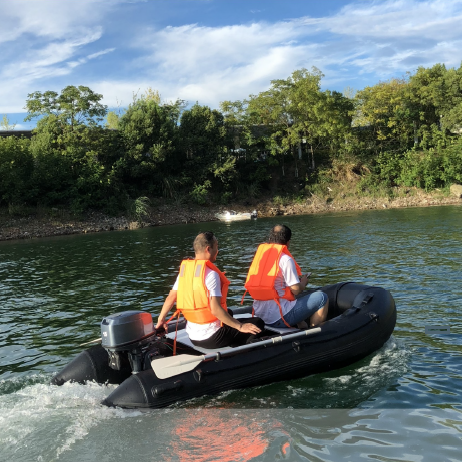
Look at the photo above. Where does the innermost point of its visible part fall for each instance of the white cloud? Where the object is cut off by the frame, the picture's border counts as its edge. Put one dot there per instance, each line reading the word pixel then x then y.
pixel 377 39
pixel 39 40
pixel 50 19
pixel 396 19
pixel 387 39
pixel 100 53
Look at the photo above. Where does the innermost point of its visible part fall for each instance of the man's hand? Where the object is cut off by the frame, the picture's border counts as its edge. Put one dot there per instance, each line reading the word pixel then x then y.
pixel 168 305
pixel 249 328
pixel 225 318
pixel 162 324
pixel 304 281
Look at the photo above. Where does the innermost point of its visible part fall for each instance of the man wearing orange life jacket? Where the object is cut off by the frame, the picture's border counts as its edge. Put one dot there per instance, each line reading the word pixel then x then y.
pixel 200 294
pixel 285 310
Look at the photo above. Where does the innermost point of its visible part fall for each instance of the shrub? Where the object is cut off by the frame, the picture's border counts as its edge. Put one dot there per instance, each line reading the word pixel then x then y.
pixel 199 194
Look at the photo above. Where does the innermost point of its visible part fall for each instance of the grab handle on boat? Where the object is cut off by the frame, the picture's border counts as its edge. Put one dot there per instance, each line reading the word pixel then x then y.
pixel 364 302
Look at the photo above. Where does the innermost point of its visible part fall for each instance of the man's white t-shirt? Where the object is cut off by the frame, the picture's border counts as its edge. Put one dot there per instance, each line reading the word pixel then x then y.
pixel 268 310
pixel 204 331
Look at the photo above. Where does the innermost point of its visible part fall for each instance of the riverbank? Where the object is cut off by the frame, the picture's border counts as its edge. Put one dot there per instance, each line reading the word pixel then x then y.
pixel 57 222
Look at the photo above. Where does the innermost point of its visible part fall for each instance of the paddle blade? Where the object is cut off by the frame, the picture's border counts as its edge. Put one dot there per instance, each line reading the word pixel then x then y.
pixel 175 365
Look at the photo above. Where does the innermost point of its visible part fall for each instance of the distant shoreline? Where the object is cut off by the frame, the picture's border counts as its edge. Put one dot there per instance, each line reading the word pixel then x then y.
pixel 33 227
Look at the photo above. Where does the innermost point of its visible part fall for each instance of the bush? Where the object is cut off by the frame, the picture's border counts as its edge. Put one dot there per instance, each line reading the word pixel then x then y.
pixel 139 208
pixel 199 193
pixel 432 169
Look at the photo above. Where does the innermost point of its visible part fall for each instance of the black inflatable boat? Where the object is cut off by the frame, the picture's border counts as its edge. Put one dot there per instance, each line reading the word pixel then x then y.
pixel 132 354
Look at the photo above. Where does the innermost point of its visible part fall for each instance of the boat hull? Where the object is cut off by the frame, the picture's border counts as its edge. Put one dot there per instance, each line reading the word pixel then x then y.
pixel 361 320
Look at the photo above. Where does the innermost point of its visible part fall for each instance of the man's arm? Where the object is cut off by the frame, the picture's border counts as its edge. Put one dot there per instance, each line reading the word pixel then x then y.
pixel 225 318
pixel 301 286
pixel 289 272
pixel 168 305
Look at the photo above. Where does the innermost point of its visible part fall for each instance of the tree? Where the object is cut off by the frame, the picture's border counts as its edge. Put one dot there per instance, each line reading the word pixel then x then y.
pixel 5 124
pixel 203 145
pixel 437 92
pixel 112 120
pixel 320 118
pixel 149 133
pixel 271 109
pixel 73 107
pixel 16 166
pixel 67 147
pixel 384 109
pixel 296 109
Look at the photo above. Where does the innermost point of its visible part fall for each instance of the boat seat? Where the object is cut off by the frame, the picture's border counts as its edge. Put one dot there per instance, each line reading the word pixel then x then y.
pixel 183 337
pixel 282 330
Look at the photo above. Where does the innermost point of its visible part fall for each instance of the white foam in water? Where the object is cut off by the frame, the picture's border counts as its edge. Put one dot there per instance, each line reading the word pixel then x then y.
pixel 41 421
pixel 391 360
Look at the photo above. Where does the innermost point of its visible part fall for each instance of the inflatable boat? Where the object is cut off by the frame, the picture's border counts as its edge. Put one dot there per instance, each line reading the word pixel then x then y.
pixel 140 360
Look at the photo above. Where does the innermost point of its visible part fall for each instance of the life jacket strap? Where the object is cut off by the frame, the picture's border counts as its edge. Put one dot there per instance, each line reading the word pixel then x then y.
pixel 280 311
pixel 242 301
pixel 177 313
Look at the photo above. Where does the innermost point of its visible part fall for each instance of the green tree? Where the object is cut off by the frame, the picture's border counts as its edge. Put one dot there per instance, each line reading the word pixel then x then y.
pixel 5 124
pixel 437 92
pixel 384 110
pixel 68 148
pixel 322 118
pixel 16 166
pixel 296 109
pixel 73 107
pixel 149 134
pixel 203 138
pixel 112 120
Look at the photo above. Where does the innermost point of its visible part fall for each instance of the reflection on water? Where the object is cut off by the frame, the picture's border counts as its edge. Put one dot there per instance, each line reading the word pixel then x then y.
pixel 402 403
pixel 46 423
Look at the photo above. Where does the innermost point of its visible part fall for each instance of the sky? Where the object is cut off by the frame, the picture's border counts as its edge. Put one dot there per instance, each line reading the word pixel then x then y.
pixel 214 50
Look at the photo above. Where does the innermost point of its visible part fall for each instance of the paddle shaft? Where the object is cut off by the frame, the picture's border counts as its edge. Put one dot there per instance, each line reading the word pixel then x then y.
pixel 270 341
pixel 91 341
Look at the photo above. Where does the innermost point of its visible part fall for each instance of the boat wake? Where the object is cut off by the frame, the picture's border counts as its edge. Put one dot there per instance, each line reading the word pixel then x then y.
pixel 30 415
pixel 42 422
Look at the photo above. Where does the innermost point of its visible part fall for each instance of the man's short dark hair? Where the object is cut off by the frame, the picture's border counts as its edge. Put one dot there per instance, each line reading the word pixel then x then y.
pixel 203 240
pixel 280 234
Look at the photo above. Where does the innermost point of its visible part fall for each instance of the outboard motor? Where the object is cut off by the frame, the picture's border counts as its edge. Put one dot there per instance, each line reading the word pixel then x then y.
pixel 254 215
pixel 128 335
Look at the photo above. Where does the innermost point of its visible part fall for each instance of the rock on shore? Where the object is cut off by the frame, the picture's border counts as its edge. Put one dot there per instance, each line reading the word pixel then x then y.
pixel 456 190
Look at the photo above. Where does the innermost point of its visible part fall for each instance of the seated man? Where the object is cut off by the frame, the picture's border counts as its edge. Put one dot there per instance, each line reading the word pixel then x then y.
pixel 273 282
pixel 200 294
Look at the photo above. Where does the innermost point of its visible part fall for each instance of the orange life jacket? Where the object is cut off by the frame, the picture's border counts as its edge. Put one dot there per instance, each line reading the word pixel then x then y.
pixel 262 275
pixel 193 299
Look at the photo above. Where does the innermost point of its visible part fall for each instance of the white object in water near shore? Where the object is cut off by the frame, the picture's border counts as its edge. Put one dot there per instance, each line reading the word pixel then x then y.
pixel 235 216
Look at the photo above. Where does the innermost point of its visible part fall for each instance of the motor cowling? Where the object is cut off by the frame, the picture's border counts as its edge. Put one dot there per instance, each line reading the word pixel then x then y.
pixel 128 336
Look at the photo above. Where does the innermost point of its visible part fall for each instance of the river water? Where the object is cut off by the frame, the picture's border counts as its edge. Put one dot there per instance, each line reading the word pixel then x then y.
pixel 403 403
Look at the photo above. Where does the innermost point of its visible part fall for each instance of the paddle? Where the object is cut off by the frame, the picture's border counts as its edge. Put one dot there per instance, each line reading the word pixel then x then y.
pixel 175 365
pixel 91 341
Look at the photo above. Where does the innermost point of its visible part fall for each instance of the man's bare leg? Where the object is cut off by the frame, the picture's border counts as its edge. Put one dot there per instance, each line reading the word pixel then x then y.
pixel 320 316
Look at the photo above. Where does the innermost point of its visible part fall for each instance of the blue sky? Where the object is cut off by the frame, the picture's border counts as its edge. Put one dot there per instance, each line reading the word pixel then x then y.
pixel 214 50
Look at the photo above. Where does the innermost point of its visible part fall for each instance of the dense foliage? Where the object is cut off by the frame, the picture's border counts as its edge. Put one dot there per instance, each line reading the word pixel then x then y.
pixel 285 140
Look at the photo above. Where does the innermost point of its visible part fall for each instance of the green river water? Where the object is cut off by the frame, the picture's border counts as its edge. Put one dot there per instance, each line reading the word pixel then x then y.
pixel 403 403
